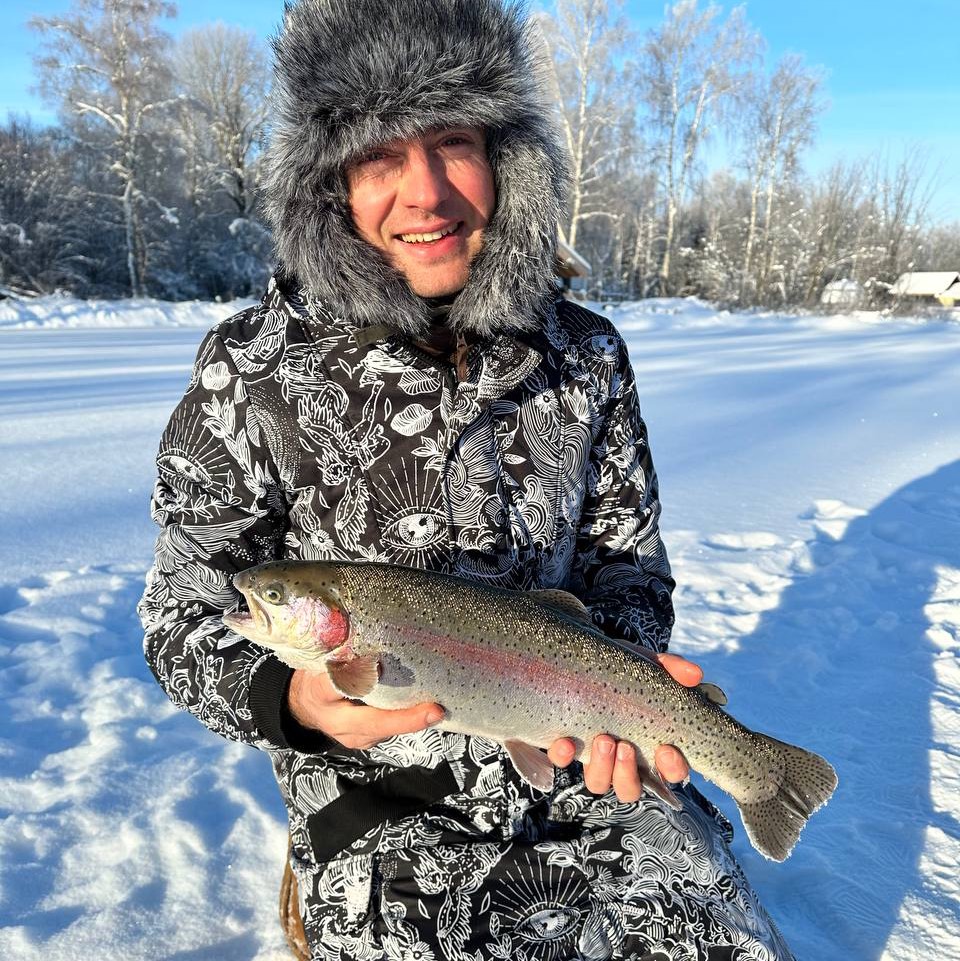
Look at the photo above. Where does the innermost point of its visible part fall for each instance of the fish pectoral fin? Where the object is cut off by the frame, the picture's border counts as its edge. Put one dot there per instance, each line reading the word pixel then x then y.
pixel 356 677
pixel 654 784
pixel 532 764
pixel 565 603
pixel 712 693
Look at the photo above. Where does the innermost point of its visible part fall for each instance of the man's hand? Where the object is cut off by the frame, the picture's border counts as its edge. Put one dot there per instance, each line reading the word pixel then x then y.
pixel 614 764
pixel 314 703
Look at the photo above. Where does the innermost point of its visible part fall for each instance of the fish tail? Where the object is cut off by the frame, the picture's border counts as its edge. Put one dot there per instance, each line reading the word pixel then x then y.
pixel 774 825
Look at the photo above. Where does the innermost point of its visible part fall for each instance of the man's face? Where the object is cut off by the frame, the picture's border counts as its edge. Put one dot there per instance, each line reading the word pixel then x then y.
pixel 425 203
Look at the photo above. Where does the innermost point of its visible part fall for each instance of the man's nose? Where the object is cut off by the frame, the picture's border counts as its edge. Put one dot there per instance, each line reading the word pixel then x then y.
pixel 424 182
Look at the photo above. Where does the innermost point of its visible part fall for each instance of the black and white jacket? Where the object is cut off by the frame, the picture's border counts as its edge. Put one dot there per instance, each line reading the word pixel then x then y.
pixel 303 435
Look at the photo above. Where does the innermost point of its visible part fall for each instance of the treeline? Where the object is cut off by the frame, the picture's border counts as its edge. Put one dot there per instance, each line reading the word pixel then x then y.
pixel 149 183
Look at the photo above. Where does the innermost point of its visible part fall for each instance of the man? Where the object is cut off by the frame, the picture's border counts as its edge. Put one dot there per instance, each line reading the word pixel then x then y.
pixel 411 390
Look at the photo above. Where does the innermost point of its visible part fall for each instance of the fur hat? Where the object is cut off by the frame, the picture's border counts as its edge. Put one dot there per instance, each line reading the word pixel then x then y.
pixel 352 74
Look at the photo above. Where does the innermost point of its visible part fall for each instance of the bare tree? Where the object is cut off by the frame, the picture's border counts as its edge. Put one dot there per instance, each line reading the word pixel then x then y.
pixel 899 199
pixel 778 119
pixel 689 69
pixel 585 47
pixel 104 64
pixel 224 75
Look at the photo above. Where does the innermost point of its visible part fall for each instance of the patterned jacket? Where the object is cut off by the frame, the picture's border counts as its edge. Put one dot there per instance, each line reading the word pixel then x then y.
pixel 301 436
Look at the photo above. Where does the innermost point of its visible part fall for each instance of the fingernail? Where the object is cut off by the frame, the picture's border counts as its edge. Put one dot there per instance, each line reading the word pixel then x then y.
pixel 624 751
pixel 605 748
pixel 434 715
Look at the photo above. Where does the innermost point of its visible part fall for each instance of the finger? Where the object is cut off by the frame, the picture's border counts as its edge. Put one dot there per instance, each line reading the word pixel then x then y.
pixel 681 670
pixel 598 774
pixel 375 724
pixel 671 763
pixel 626 774
pixel 561 752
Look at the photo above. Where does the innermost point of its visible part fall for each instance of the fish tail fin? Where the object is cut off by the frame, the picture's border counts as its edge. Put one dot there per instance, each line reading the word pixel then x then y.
pixel 774 825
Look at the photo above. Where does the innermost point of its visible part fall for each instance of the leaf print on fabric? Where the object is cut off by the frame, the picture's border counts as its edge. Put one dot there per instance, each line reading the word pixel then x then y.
pixel 253 355
pixel 431 449
pixel 216 376
pixel 412 420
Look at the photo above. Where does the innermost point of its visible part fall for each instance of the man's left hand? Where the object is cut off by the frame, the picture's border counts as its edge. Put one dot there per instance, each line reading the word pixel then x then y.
pixel 613 764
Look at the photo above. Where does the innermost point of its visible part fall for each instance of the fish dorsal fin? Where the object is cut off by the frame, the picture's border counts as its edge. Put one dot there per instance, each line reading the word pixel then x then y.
pixel 712 693
pixel 532 764
pixel 564 602
pixel 356 677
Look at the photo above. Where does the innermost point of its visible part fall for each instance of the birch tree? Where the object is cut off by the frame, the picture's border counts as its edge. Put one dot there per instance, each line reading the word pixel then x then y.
pixel 585 41
pixel 103 64
pixel 224 75
pixel 778 120
pixel 689 70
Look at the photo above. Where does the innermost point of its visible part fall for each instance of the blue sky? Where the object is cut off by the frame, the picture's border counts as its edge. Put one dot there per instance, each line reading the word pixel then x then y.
pixel 892 77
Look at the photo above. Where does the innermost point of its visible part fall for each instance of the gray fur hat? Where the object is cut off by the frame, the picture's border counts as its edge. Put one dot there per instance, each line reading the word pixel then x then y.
pixel 352 74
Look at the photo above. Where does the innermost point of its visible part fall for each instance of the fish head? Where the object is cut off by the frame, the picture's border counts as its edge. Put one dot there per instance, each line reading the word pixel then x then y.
pixel 294 609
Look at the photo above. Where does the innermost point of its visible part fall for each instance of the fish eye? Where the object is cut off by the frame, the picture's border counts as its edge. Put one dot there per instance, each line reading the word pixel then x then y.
pixel 273 594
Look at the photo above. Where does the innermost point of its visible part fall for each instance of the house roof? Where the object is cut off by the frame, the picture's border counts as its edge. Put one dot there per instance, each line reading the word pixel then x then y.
pixel 930 283
pixel 570 263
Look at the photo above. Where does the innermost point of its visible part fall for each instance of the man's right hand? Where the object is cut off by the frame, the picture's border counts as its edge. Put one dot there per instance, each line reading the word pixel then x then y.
pixel 315 703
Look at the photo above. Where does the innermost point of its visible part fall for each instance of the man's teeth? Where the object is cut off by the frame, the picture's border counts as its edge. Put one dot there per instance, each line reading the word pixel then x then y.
pixel 426 238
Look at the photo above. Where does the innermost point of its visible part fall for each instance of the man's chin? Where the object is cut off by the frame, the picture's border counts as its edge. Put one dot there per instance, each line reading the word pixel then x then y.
pixel 436 286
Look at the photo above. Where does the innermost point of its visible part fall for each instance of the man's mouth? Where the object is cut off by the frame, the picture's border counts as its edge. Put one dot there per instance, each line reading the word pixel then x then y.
pixel 432 237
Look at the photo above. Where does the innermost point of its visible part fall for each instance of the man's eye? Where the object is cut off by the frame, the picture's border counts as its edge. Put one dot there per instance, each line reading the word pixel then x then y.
pixel 372 157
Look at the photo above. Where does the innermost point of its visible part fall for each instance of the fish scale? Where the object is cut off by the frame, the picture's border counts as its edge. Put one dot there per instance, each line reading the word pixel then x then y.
pixel 522 669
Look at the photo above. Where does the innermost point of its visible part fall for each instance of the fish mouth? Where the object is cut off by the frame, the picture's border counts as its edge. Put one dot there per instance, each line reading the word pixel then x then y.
pixel 257 621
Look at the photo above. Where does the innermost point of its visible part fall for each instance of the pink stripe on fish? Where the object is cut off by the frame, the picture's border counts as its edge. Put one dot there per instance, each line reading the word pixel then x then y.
pixel 531 668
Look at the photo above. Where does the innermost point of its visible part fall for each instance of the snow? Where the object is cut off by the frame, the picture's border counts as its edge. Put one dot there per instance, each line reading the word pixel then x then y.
pixel 810 473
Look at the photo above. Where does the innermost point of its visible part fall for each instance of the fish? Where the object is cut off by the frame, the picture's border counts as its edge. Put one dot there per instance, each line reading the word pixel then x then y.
pixel 521 669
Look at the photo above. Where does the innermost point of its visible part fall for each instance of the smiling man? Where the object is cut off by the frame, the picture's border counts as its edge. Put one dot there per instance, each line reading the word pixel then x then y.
pixel 425 203
pixel 412 390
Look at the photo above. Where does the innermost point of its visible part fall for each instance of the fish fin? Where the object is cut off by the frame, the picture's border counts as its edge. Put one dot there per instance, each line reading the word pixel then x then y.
pixel 774 825
pixel 356 677
pixel 532 764
pixel 712 693
pixel 654 784
pixel 565 603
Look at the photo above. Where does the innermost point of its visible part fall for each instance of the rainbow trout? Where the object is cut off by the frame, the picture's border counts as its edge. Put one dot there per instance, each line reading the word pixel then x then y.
pixel 521 669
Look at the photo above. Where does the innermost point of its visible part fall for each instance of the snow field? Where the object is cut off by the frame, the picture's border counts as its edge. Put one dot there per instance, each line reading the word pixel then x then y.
pixel 810 474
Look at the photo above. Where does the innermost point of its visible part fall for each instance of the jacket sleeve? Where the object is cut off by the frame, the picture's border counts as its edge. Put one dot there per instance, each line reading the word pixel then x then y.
pixel 220 510
pixel 621 558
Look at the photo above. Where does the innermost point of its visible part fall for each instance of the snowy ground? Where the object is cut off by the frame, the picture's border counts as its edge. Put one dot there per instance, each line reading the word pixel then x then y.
pixel 810 470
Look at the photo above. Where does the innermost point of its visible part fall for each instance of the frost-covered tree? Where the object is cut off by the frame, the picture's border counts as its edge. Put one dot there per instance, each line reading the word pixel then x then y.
pixel 104 65
pixel 777 118
pixel 43 246
pixel 585 41
pixel 224 75
pixel 689 70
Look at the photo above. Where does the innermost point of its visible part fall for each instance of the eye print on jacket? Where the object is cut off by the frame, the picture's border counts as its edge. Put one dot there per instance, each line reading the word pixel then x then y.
pixel 411 523
pixel 602 347
pixel 536 905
